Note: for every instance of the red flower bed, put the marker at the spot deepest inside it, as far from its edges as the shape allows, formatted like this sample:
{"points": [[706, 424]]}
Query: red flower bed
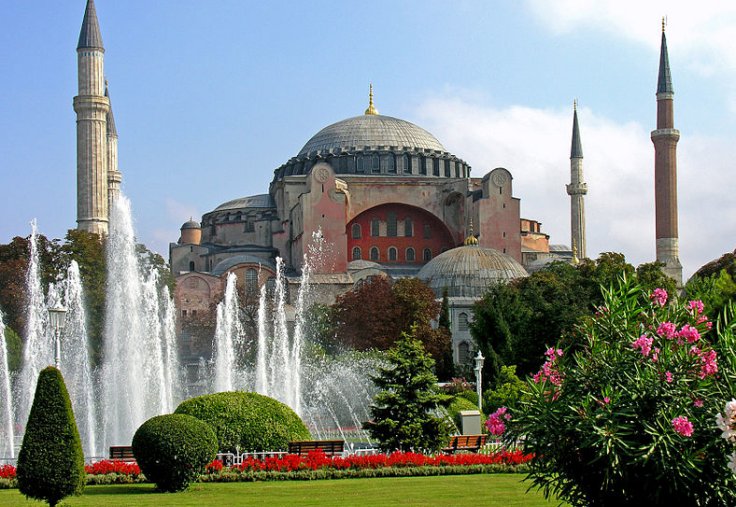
{"points": [[7, 472], [317, 459], [112, 467]]}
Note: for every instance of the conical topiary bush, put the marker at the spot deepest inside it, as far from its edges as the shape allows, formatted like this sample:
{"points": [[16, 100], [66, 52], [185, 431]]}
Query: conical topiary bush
{"points": [[51, 461]]}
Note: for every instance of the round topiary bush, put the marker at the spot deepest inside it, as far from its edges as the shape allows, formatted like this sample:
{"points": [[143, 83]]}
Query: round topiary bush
{"points": [[51, 462], [246, 421], [459, 403], [172, 450]]}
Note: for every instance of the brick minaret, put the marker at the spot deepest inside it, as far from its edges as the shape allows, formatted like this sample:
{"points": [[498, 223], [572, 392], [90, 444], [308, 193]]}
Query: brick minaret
{"points": [[92, 108], [577, 190], [665, 171]]}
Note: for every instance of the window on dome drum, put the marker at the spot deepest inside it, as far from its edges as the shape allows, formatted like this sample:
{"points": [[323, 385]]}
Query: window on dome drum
{"points": [[251, 281], [360, 164], [191, 265], [410, 254], [356, 253], [463, 353], [406, 163], [408, 228], [374, 254], [427, 231], [343, 164], [375, 227], [447, 168], [375, 164], [423, 167], [391, 225], [249, 227], [436, 166], [392, 254], [427, 254], [391, 164], [356, 231], [462, 322]]}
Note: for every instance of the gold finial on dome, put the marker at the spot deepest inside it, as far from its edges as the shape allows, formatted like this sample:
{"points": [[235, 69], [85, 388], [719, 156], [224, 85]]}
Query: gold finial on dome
{"points": [[371, 108], [664, 23], [575, 260], [471, 240], [575, 105]]}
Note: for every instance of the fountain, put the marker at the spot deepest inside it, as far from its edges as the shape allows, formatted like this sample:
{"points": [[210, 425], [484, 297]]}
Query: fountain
{"points": [[7, 440]]}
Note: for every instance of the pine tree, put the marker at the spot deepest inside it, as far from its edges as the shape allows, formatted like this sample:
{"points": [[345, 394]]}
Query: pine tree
{"points": [[51, 461], [404, 412]]}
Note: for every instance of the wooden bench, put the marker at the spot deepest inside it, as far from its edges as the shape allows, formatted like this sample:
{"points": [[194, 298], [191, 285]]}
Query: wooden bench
{"points": [[329, 447], [122, 453], [468, 443]]}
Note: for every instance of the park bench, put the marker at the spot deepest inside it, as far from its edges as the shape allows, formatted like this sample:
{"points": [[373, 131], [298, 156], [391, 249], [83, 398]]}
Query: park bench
{"points": [[468, 443], [329, 447], [122, 453]]}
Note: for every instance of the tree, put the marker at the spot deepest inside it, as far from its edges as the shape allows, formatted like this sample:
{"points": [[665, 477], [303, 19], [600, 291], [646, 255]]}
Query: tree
{"points": [[51, 462], [404, 411]]}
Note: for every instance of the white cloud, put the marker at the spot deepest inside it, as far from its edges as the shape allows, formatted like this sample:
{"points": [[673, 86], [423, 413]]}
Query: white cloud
{"points": [[534, 144]]}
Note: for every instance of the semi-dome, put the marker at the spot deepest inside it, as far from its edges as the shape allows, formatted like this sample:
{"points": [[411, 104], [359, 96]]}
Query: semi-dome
{"points": [[468, 271], [372, 130]]}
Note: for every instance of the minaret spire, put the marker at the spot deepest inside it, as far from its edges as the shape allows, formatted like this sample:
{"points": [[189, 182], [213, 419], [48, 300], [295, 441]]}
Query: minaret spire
{"points": [[665, 139], [113, 175], [577, 189], [92, 107]]}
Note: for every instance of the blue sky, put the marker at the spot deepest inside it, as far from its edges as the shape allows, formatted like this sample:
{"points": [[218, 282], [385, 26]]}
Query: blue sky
{"points": [[210, 97]]}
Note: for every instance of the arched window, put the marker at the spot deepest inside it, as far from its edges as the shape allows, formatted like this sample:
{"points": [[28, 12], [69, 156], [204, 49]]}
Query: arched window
{"points": [[427, 254], [462, 322], [436, 166], [463, 353], [356, 231], [343, 164], [356, 253], [191, 265], [375, 227], [391, 164], [251, 281], [392, 254], [360, 163], [391, 224], [374, 254], [410, 255], [375, 164], [427, 231], [423, 167], [408, 227], [447, 168], [406, 162]]}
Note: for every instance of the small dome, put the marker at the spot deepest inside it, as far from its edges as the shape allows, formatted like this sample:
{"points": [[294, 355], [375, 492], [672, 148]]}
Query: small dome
{"points": [[191, 224], [371, 130], [468, 271]]}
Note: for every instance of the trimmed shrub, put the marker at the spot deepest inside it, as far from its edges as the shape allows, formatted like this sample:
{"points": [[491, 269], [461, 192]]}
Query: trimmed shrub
{"points": [[246, 421], [51, 461], [460, 403], [172, 450]]}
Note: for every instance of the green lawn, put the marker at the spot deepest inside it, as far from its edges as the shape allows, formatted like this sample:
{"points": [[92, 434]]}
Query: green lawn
{"points": [[460, 490]]}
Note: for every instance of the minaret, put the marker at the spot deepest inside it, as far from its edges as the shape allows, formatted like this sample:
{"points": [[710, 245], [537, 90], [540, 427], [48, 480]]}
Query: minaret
{"points": [[113, 175], [92, 108], [665, 170], [577, 189]]}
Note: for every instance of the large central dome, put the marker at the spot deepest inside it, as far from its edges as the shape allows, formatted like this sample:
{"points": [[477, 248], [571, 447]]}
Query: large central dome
{"points": [[372, 130]]}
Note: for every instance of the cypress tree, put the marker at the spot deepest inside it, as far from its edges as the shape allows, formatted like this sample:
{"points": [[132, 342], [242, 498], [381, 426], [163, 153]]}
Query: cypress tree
{"points": [[51, 461]]}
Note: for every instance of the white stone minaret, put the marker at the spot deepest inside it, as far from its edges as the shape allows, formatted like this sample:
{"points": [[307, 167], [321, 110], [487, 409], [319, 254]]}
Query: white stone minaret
{"points": [[92, 108], [665, 139], [113, 174], [577, 190]]}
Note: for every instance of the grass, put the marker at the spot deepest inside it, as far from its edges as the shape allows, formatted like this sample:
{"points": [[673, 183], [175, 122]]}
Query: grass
{"points": [[506, 490]]}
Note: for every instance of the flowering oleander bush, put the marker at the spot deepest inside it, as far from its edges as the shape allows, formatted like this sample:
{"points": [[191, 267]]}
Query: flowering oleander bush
{"points": [[629, 418]]}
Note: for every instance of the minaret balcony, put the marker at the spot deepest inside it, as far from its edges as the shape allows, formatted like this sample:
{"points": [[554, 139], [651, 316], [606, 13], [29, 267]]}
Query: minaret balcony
{"points": [[577, 189]]}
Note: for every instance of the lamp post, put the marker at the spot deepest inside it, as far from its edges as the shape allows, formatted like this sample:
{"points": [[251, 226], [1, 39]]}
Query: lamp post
{"points": [[479, 359], [57, 319]]}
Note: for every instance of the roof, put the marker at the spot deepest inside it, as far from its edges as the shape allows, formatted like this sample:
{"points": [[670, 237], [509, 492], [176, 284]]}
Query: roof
{"points": [[253, 201], [664, 82], [469, 271], [89, 36], [231, 262], [372, 130], [576, 151]]}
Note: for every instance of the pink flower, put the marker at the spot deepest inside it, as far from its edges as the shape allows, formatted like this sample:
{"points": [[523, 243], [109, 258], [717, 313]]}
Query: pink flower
{"points": [[708, 363], [682, 426], [696, 306], [659, 296], [689, 333], [643, 344], [495, 423], [668, 377], [698, 403], [655, 355], [667, 330], [549, 372]]}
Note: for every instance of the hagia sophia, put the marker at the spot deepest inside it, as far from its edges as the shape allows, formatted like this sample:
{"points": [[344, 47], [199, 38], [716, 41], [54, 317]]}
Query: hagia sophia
{"points": [[384, 194]]}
